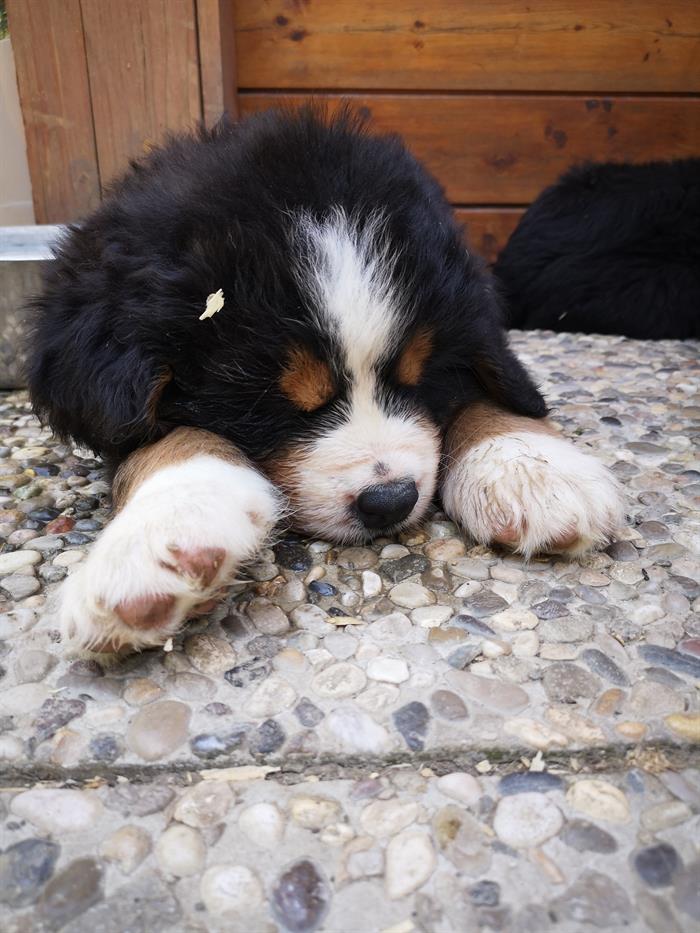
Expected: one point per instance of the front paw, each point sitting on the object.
(167, 555)
(534, 493)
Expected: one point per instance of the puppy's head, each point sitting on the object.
(368, 460)
(375, 380)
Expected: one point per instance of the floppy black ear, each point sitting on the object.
(88, 386)
(505, 380)
(497, 369)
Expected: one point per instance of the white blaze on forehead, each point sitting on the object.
(348, 271)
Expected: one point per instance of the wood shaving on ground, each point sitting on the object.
(242, 773)
(215, 302)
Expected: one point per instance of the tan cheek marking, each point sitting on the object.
(306, 381)
(414, 358)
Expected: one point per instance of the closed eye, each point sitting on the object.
(413, 358)
(307, 381)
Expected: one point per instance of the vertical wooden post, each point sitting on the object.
(217, 64)
(49, 48)
(100, 82)
(144, 75)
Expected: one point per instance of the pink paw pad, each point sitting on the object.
(146, 612)
(200, 565)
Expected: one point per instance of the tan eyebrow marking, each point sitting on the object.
(414, 357)
(306, 380)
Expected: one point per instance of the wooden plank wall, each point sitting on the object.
(101, 82)
(497, 97)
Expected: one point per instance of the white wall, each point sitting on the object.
(15, 186)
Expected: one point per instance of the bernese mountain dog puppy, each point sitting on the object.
(611, 248)
(357, 367)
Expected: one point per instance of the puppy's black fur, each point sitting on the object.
(118, 356)
(610, 249)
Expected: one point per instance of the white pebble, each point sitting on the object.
(525, 644)
(263, 824)
(431, 616)
(389, 670)
(460, 786)
(411, 595)
(230, 889)
(58, 811)
(272, 697)
(600, 800)
(526, 820)
(181, 851)
(18, 560)
(339, 680)
(371, 584)
(410, 861)
(128, 847)
(356, 731)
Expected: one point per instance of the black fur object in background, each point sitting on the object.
(609, 249)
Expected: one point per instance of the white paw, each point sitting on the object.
(533, 492)
(167, 554)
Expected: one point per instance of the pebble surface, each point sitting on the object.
(491, 680)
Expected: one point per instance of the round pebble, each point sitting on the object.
(230, 889)
(181, 851)
(526, 820)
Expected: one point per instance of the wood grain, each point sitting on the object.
(217, 66)
(488, 229)
(598, 46)
(505, 149)
(144, 75)
(47, 39)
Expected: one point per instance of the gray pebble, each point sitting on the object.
(463, 656)
(566, 683)
(105, 748)
(138, 799)
(550, 609)
(473, 626)
(404, 567)
(268, 737)
(686, 895)
(595, 899)
(622, 550)
(485, 893)
(412, 721)
(447, 705)
(593, 595)
(55, 713)
(485, 604)
(70, 893)
(293, 556)
(209, 745)
(604, 666)
(300, 898)
(20, 586)
(674, 660)
(243, 675)
(25, 867)
(526, 782)
(308, 713)
(587, 837)
(657, 864)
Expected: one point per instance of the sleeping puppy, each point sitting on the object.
(356, 367)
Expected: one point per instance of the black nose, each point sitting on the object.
(386, 504)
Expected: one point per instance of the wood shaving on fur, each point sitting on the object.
(215, 302)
